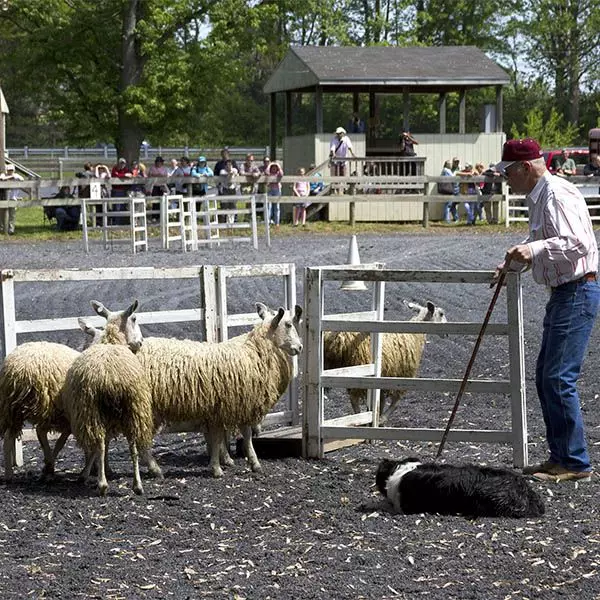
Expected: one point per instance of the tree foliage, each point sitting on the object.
(192, 71)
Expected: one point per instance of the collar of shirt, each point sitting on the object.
(536, 192)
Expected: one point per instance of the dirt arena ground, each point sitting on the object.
(301, 529)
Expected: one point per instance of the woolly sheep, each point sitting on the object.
(106, 392)
(32, 377)
(229, 385)
(401, 355)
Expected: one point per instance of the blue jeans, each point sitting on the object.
(570, 315)
(275, 208)
(450, 208)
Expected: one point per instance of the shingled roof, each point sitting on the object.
(375, 68)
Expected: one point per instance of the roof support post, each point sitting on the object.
(406, 104)
(442, 107)
(319, 109)
(499, 114)
(273, 125)
(288, 113)
(462, 111)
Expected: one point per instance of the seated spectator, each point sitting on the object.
(67, 216)
(567, 168)
(356, 124)
(592, 169)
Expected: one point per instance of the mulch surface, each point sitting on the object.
(301, 528)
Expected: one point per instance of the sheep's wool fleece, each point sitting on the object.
(31, 379)
(400, 353)
(231, 383)
(106, 391)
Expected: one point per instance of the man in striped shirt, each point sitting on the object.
(562, 252)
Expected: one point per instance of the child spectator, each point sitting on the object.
(301, 190)
(274, 190)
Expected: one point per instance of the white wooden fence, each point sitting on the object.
(364, 425)
(211, 316)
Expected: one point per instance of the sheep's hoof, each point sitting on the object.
(217, 472)
(156, 473)
(47, 470)
(102, 489)
(256, 467)
(227, 460)
(138, 489)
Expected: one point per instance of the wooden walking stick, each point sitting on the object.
(463, 385)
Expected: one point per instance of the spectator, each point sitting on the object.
(173, 167)
(83, 190)
(264, 169)
(67, 216)
(184, 169)
(274, 190)
(220, 164)
(489, 189)
(252, 173)
(301, 189)
(407, 144)
(449, 189)
(567, 168)
(138, 169)
(201, 169)
(356, 124)
(338, 149)
(316, 187)
(228, 187)
(469, 189)
(102, 172)
(120, 171)
(158, 169)
(13, 194)
(592, 169)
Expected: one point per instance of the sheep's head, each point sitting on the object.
(121, 326)
(429, 312)
(282, 327)
(95, 334)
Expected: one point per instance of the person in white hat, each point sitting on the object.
(12, 194)
(339, 148)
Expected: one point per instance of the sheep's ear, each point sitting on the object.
(131, 309)
(100, 309)
(430, 307)
(262, 310)
(87, 328)
(413, 306)
(277, 318)
(297, 314)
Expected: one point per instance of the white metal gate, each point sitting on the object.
(364, 425)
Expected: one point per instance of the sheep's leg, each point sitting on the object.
(224, 455)
(59, 445)
(249, 449)
(137, 480)
(215, 439)
(9, 451)
(100, 455)
(355, 401)
(90, 461)
(153, 467)
(391, 408)
(42, 436)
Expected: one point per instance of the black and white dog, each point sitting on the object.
(468, 490)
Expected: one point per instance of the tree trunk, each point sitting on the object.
(130, 134)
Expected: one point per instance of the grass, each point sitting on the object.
(32, 225)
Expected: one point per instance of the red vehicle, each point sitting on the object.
(554, 158)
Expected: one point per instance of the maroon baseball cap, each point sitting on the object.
(518, 150)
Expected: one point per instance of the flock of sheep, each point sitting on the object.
(130, 385)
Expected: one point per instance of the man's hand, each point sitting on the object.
(520, 253)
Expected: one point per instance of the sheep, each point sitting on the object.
(401, 355)
(32, 377)
(106, 392)
(223, 386)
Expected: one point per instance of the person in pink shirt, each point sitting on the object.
(274, 190)
(562, 253)
(302, 190)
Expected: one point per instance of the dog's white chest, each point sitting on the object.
(392, 487)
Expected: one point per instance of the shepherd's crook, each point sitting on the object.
(463, 385)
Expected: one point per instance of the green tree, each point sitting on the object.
(111, 68)
(550, 131)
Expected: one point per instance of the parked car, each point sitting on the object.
(553, 158)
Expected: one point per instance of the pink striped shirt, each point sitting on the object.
(561, 236)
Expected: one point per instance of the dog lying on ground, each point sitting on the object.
(468, 490)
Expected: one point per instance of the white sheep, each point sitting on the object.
(223, 386)
(32, 377)
(106, 392)
(400, 353)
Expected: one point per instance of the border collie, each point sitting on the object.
(468, 490)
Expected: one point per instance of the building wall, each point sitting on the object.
(437, 148)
